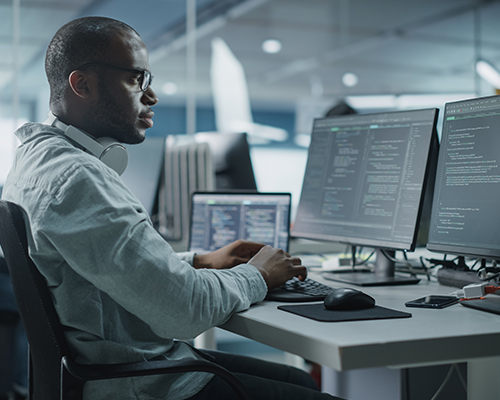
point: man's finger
(251, 245)
(296, 261)
(299, 271)
(240, 260)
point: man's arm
(99, 230)
(275, 265)
(235, 253)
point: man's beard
(112, 121)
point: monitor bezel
(460, 250)
(378, 243)
(244, 193)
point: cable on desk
(395, 260)
(485, 272)
(475, 291)
(430, 269)
(488, 273)
(363, 262)
(425, 268)
(475, 263)
(407, 262)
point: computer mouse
(348, 299)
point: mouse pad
(318, 312)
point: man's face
(121, 110)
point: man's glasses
(145, 79)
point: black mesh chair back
(53, 373)
(43, 329)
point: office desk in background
(453, 334)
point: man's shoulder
(31, 130)
(47, 160)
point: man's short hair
(74, 44)
(341, 108)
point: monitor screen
(365, 178)
(219, 218)
(468, 180)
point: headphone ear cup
(114, 155)
(110, 152)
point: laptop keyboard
(296, 290)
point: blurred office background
(298, 58)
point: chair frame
(53, 373)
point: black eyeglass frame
(146, 76)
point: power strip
(457, 278)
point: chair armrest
(91, 372)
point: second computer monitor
(232, 162)
(465, 208)
(366, 177)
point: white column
(190, 67)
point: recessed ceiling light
(349, 79)
(169, 88)
(271, 46)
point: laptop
(219, 218)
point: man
(119, 289)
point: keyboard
(296, 290)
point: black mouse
(348, 299)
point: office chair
(8, 322)
(53, 372)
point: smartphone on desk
(433, 301)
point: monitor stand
(383, 274)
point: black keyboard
(296, 290)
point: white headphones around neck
(106, 149)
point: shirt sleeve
(187, 256)
(95, 226)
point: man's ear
(81, 84)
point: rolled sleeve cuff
(258, 285)
(187, 256)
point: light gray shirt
(119, 289)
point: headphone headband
(106, 149)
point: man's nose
(149, 97)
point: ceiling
(393, 46)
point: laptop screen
(218, 219)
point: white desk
(430, 337)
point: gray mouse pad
(318, 312)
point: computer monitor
(365, 183)
(219, 218)
(231, 155)
(465, 208)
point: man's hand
(276, 266)
(235, 253)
